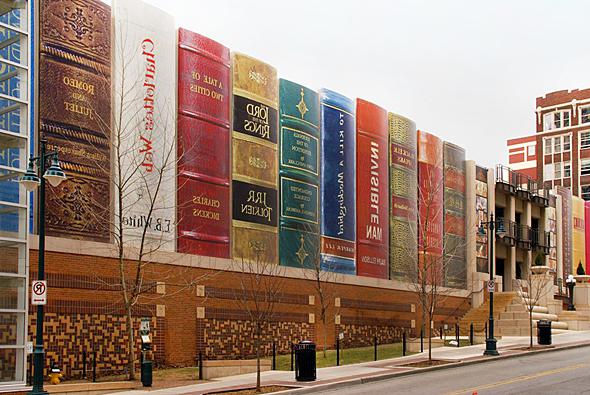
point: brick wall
(196, 310)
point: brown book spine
(74, 104)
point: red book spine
(372, 213)
(587, 234)
(430, 204)
(203, 146)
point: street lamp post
(571, 283)
(31, 180)
(491, 348)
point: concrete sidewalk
(353, 374)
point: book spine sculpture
(372, 200)
(337, 183)
(74, 104)
(454, 216)
(481, 209)
(587, 238)
(578, 235)
(203, 206)
(566, 234)
(144, 95)
(299, 240)
(254, 160)
(430, 206)
(403, 179)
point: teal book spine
(299, 148)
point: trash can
(544, 332)
(146, 373)
(305, 368)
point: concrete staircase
(514, 321)
(479, 316)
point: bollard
(375, 345)
(421, 339)
(337, 351)
(441, 332)
(94, 366)
(200, 365)
(457, 334)
(471, 334)
(84, 364)
(291, 356)
(404, 344)
(274, 356)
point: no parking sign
(39, 292)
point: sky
(467, 71)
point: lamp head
(30, 180)
(55, 175)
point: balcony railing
(521, 185)
(509, 229)
(505, 178)
(540, 196)
(523, 236)
(541, 240)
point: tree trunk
(257, 345)
(131, 350)
(531, 327)
(429, 340)
(325, 339)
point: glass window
(585, 167)
(585, 115)
(548, 172)
(567, 143)
(548, 149)
(531, 150)
(585, 140)
(566, 119)
(586, 192)
(557, 170)
(557, 144)
(548, 121)
(556, 120)
(567, 170)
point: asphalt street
(560, 372)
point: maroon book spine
(203, 146)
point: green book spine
(299, 148)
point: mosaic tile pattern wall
(67, 336)
(361, 334)
(225, 338)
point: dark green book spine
(299, 147)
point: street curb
(386, 376)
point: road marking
(519, 379)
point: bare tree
(323, 281)
(261, 283)
(534, 289)
(434, 256)
(141, 138)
